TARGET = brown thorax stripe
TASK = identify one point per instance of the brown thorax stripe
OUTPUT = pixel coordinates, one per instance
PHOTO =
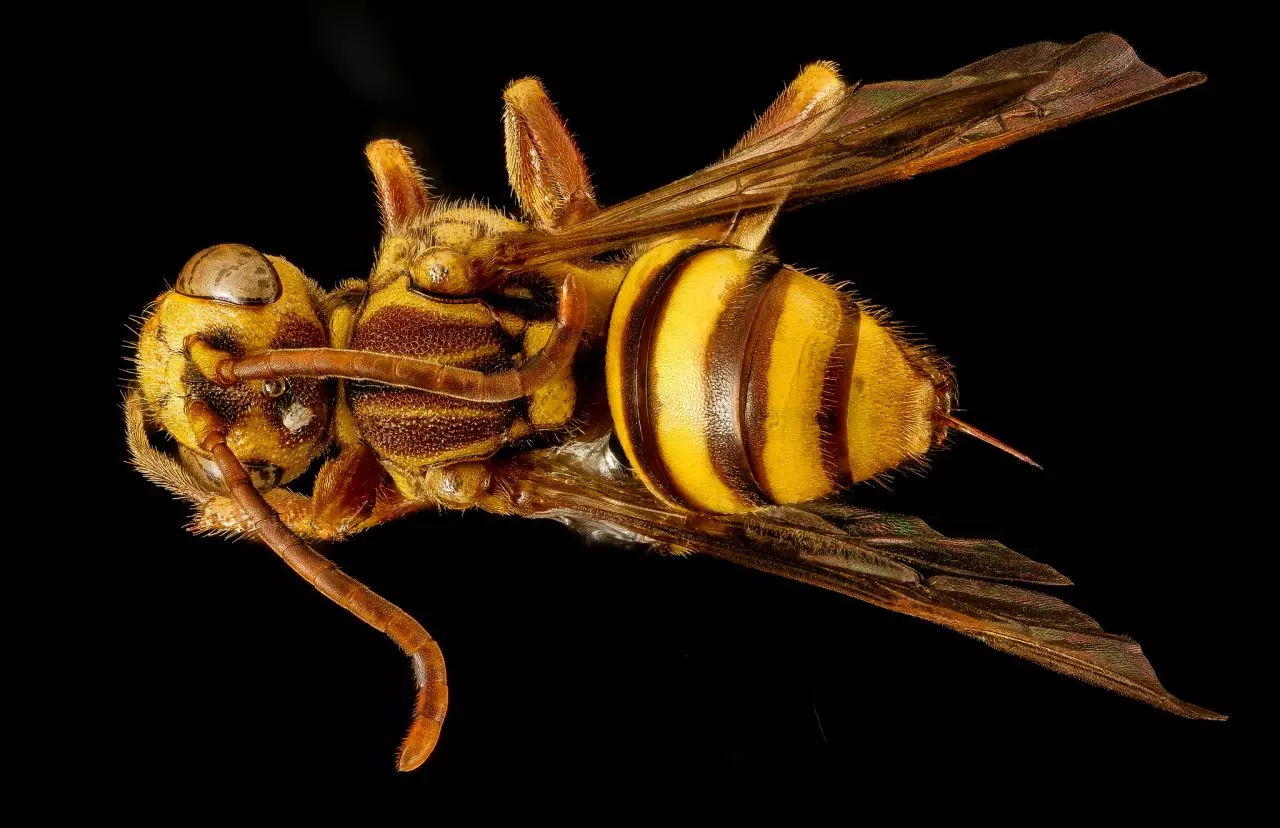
(418, 332)
(420, 426)
(423, 426)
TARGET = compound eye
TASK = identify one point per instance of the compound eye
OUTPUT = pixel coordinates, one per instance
(232, 273)
(442, 271)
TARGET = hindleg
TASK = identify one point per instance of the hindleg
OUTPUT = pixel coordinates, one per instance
(804, 107)
(544, 165)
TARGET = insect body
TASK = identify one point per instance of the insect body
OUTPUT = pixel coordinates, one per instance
(487, 362)
(802, 389)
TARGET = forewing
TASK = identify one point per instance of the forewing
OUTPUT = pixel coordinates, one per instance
(872, 556)
(877, 133)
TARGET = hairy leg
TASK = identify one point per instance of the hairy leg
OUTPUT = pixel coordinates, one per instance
(544, 165)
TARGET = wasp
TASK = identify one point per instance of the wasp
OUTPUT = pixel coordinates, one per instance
(646, 371)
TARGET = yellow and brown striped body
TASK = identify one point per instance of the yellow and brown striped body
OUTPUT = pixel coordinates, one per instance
(735, 382)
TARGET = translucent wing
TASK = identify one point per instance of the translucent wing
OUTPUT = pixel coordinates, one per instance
(874, 134)
(879, 558)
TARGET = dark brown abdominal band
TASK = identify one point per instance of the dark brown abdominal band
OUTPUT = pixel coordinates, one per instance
(638, 338)
(728, 368)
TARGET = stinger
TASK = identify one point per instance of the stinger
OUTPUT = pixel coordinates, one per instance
(965, 428)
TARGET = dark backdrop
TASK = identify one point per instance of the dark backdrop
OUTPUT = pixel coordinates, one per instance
(1071, 280)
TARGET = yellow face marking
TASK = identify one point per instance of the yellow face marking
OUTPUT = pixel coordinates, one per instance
(162, 363)
(679, 376)
(792, 469)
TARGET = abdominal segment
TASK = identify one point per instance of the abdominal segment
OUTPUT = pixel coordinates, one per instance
(735, 382)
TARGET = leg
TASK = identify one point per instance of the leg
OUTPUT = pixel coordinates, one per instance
(816, 87)
(351, 495)
(423, 652)
(543, 163)
(402, 190)
(807, 97)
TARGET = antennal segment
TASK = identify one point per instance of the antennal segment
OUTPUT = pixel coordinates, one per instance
(379, 613)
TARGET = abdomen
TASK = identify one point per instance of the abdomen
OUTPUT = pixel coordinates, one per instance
(734, 382)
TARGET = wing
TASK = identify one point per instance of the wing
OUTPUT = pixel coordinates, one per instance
(872, 135)
(879, 558)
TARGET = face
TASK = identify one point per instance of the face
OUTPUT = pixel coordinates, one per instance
(242, 302)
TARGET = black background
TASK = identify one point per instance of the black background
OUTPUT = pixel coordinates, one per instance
(1074, 280)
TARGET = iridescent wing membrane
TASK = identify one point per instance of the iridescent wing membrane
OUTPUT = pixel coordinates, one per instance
(871, 135)
(884, 559)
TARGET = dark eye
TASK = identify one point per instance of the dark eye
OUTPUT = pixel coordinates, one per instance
(231, 273)
(274, 387)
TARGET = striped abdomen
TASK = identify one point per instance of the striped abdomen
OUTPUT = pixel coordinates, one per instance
(734, 382)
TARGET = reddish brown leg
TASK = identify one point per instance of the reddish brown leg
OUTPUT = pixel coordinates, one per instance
(410, 372)
(216, 513)
(347, 488)
(544, 165)
(351, 494)
(320, 572)
(402, 189)
(814, 90)
(817, 86)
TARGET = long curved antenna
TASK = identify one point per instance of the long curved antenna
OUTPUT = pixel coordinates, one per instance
(379, 613)
(411, 372)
